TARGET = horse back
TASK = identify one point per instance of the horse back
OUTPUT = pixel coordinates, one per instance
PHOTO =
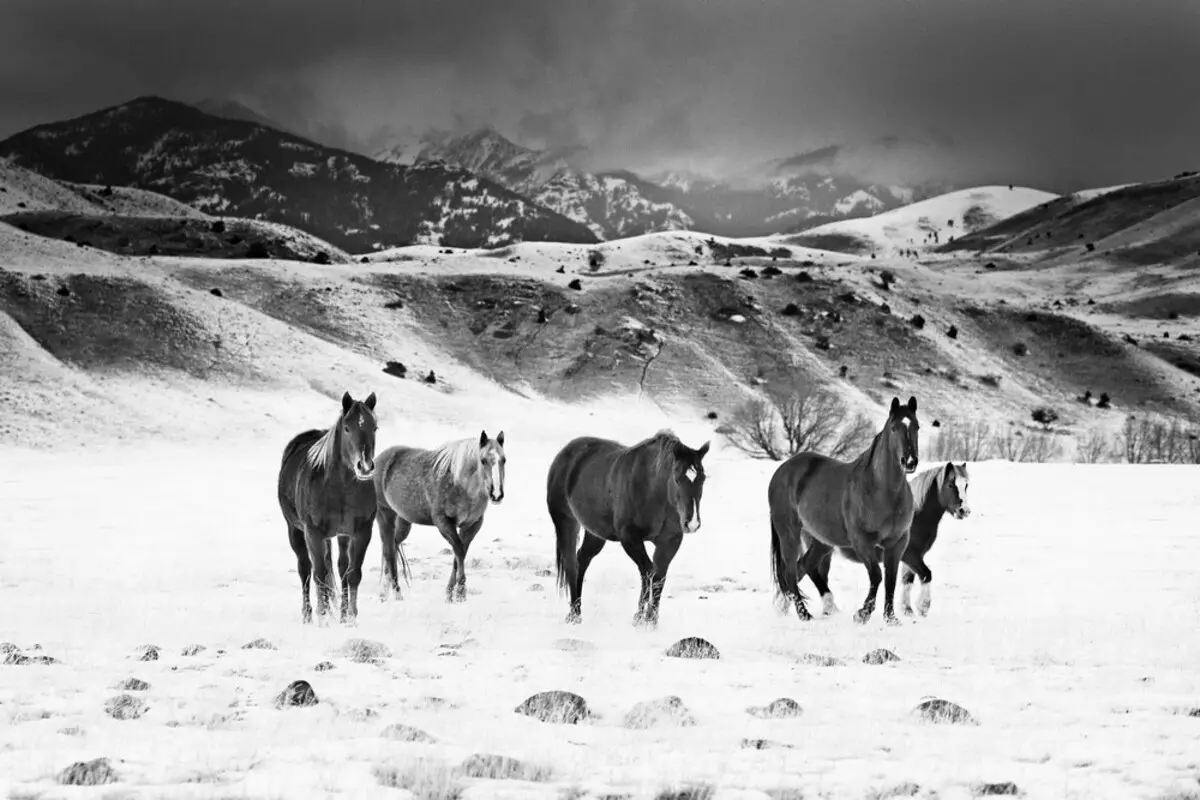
(577, 482)
(291, 466)
(404, 482)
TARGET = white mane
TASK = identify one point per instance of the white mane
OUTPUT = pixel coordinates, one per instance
(320, 453)
(456, 459)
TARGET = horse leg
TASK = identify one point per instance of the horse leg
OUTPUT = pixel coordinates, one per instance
(318, 553)
(359, 543)
(819, 555)
(389, 582)
(343, 571)
(304, 568)
(588, 549)
(906, 584)
(466, 535)
(914, 563)
(664, 552)
(449, 532)
(891, 567)
(635, 548)
(864, 548)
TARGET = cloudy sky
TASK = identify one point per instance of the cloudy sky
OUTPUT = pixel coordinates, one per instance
(1058, 94)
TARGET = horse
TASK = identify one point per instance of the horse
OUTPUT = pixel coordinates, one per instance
(447, 488)
(935, 492)
(862, 504)
(649, 492)
(325, 490)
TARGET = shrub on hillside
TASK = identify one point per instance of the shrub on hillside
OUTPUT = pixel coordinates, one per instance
(777, 427)
(1044, 416)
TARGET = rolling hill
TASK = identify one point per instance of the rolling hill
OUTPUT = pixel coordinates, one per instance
(924, 224)
(240, 168)
(1126, 220)
(693, 325)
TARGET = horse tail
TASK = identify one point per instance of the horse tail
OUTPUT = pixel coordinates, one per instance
(779, 573)
(777, 567)
(404, 564)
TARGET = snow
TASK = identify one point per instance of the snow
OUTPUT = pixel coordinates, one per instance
(1073, 648)
(907, 227)
(1077, 692)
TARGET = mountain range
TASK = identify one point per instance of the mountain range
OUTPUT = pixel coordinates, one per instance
(451, 189)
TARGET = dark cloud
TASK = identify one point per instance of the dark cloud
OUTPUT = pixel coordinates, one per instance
(1047, 92)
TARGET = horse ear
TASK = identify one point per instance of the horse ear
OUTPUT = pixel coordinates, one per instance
(895, 406)
(912, 404)
(949, 470)
(370, 401)
(347, 401)
(702, 451)
(500, 438)
(482, 438)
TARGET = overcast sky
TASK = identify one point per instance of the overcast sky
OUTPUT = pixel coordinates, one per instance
(1057, 94)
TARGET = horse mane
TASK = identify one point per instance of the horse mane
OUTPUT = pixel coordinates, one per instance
(665, 444)
(924, 481)
(454, 458)
(322, 451)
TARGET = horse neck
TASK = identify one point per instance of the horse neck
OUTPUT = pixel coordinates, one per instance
(471, 478)
(334, 470)
(879, 468)
(928, 497)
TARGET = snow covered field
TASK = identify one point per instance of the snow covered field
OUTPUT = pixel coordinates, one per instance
(1064, 619)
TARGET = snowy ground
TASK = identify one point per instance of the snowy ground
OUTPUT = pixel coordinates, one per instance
(1063, 619)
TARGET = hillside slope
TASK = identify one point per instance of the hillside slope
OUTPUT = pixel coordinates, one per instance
(1075, 221)
(244, 169)
(926, 223)
(537, 323)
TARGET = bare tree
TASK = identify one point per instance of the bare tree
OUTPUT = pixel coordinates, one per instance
(960, 441)
(777, 428)
(1096, 448)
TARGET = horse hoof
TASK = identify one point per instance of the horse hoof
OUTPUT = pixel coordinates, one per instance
(574, 619)
(908, 612)
(893, 621)
(861, 617)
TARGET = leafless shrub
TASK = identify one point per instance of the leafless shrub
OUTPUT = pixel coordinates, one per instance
(1150, 440)
(776, 428)
(1037, 447)
(1096, 448)
(960, 441)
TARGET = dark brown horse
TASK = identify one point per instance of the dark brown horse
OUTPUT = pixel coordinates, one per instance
(325, 490)
(863, 504)
(649, 492)
(448, 488)
(935, 492)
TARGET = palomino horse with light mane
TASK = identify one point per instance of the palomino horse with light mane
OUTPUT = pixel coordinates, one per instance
(863, 504)
(935, 492)
(325, 490)
(448, 488)
(649, 492)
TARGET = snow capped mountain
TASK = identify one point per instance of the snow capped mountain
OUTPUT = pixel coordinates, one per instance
(611, 205)
(244, 168)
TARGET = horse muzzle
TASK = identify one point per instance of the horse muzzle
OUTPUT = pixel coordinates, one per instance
(692, 526)
(364, 472)
(496, 498)
(910, 465)
(962, 512)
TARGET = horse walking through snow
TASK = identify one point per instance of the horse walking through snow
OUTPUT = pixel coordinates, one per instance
(325, 491)
(862, 505)
(649, 492)
(447, 488)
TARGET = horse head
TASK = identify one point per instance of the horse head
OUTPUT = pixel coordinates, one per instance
(358, 435)
(952, 489)
(491, 461)
(686, 486)
(902, 428)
